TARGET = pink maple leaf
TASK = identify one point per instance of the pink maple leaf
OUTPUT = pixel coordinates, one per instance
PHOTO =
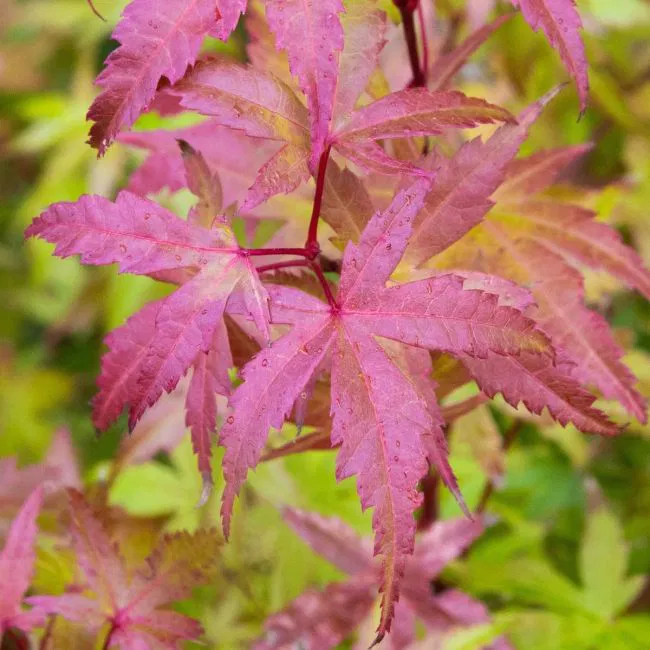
(59, 469)
(156, 40)
(157, 346)
(17, 566)
(539, 242)
(560, 21)
(321, 620)
(132, 603)
(333, 60)
(385, 419)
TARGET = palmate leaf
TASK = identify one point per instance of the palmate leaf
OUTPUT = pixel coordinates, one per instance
(157, 40)
(269, 109)
(133, 603)
(323, 619)
(332, 54)
(387, 427)
(560, 22)
(157, 346)
(460, 197)
(58, 470)
(227, 152)
(541, 243)
(17, 567)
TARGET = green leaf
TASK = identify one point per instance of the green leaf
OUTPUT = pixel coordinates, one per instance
(536, 630)
(603, 566)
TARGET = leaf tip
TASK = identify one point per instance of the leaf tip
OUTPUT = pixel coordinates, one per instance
(186, 148)
(206, 491)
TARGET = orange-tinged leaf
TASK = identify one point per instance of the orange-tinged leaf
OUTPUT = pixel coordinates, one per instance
(130, 603)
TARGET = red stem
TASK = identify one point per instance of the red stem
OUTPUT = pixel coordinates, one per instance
(312, 235)
(315, 267)
(47, 634)
(256, 252)
(109, 637)
(281, 265)
(425, 43)
(406, 8)
(94, 10)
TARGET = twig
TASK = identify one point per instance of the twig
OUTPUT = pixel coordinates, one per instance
(109, 637)
(425, 43)
(257, 252)
(315, 267)
(47, 634)
(406, 9)
(94, 10)
(312, 235)
(282, 265)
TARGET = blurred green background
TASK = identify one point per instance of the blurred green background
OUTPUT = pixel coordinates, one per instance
(564, 566)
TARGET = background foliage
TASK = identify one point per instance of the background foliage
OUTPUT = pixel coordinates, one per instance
(563, 565)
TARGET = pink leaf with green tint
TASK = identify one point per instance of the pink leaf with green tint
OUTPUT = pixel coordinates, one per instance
(364, 27)
(141, 236)
(560, 21)
(319, 620)
(228, 153)
(204, 184)
(311, 33)
(156, 40)
(381, 421)
(574, 232)
(130, 601)
(281, 174)
(418, 111)
(461, 193)
(243, 98)
(17, 566)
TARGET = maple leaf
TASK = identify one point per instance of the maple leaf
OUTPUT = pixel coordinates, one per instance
(157, 346)
(156, 40)
(387, 424)
(323, 619)
(446, 66)
(332, 74)
(17, 566)
(133, 602)
(539, 242)
(230, 154)
(58, 470)
(560, 21)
